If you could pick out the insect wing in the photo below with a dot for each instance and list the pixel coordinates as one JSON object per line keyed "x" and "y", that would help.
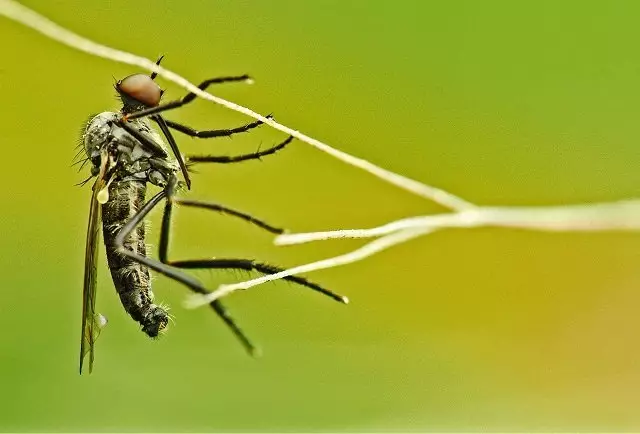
{"x": 92, "y": 322}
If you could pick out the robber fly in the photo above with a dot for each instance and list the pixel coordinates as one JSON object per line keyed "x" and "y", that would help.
{"x": 126, "y": 155}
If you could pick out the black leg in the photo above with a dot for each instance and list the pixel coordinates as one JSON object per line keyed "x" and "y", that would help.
{"x": 236, "y": 159}
{"x": 184, "y": 100}
{"x": 174, "y": 147}
{"x": 216, "y": 305}
{"x": 229, "y": 211}
{"x": 223, "y": 313}
{"x": 211, "y": 133}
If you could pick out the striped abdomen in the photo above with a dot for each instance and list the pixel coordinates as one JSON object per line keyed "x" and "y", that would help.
{"x": 131, "y": 279}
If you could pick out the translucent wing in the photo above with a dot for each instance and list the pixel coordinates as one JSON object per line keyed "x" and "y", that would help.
{"x": 92, "y": 322}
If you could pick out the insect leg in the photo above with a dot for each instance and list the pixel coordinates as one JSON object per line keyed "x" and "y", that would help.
{"x": 185, "y": 99}
{"x": 174, "y": 147}
{"x": 224, "y": 210}
{"x": 227, "y": 132}
{"x": 237, "y": 158}
{"x": 216, "y": 305}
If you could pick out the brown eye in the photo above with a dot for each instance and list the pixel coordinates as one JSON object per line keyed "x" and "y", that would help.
{"x": 141, "y": 88}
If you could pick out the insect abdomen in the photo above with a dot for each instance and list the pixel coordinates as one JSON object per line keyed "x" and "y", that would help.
{"x": 131, "y": 279}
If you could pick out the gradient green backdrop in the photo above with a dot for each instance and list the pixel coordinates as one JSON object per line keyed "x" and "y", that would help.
{"x": 501, "y": 102}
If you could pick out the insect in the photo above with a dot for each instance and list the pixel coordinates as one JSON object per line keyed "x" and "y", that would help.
{"x": 127, "y": 155}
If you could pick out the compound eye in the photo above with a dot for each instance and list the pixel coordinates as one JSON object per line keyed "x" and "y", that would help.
{"x": 141, "y": 88}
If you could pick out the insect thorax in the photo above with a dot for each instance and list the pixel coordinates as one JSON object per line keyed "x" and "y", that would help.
{"x": 132, "y": 161}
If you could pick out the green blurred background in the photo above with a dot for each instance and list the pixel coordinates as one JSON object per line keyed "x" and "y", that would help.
{"x": 501, "y": 102}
